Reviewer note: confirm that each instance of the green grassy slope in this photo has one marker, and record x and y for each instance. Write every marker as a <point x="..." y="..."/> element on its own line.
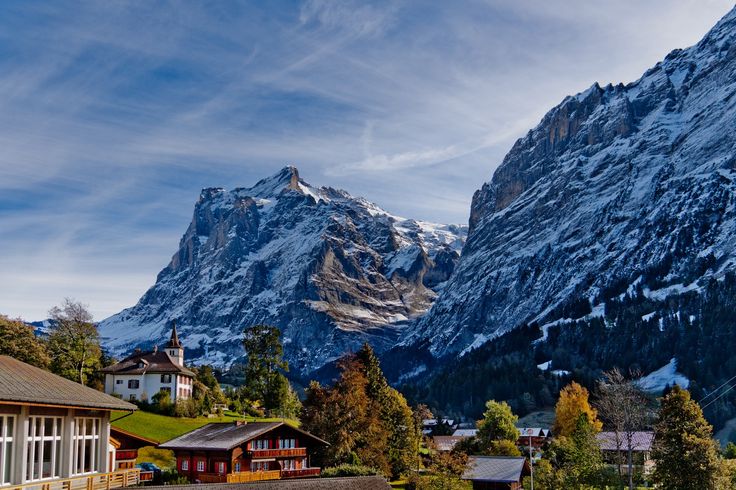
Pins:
<point x="162" y="428"/>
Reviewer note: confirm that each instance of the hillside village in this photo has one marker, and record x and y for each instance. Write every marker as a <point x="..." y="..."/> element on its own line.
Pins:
<point x="73" y="416"/>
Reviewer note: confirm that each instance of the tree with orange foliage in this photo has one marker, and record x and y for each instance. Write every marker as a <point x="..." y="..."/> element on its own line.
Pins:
<point x="572" y="403"/>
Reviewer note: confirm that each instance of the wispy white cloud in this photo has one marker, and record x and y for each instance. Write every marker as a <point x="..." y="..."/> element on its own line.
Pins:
<point x="114" y="114"/>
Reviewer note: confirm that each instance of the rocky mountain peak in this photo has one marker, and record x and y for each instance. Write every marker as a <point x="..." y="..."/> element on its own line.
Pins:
<point x="330" y="270"/>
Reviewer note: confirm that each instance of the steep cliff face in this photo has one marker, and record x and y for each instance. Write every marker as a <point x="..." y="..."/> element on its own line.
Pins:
<point x="614" y="183"/>
<point x="330" y="270"/>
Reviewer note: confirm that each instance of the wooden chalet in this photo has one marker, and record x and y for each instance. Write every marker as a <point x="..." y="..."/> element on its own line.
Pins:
<point x="55" y="433"/>
<point x="241" y="452"/>
<point x="126" y="445"/>
<point x="496" y="472"/>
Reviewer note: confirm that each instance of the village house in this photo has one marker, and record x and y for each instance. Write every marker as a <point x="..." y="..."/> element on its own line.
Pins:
<point x="496" y="472"/>
<point x="615" y="447"/>
<point x="144" y="374"/>
<point x="537" y="437"/>
<point x="239" y="452"/>
<point x="55" y="430"/>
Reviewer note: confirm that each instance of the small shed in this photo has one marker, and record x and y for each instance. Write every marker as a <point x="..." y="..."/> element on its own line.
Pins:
<point x="496" y="472"/>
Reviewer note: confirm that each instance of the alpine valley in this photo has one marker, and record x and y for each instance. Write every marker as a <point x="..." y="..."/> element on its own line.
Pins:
<point x="607" y="237"/>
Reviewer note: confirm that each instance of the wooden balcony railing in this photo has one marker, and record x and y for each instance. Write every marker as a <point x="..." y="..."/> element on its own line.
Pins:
<point x="302" y="473"/>
<point x="277" y="453"/>
<point x="99" y="481"/>
<point x="242" y="477"/>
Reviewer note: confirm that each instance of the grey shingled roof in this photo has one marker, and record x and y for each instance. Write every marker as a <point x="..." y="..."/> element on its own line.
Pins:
<point x="226" y="435"/>
<point x="354" y="483"/>
<point x="154" y="362"/>
<point x="26" y="384"/>
<point x="640" y="441"/>
<point x="498" y="469"/>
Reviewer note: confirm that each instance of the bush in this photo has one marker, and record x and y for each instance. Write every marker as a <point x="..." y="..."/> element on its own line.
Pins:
<point x="349" y="470"/>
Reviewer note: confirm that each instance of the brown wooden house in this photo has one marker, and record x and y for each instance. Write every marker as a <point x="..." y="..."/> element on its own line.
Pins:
<point x="240" y="452"/>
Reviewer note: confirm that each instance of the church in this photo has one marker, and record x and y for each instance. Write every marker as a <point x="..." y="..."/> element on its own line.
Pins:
<point x="143" y="374"/>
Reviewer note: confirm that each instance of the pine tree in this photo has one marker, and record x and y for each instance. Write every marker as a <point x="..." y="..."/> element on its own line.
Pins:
<point x="264" y="378"/>
<point x="684" y="451"/>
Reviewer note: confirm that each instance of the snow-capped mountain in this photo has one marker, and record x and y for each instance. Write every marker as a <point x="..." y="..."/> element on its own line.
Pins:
<point x="615" y="185"/>
<point x="330" y="270"/>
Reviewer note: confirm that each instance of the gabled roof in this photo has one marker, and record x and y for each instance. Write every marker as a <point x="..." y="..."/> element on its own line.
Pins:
<point x="152" y="362"/>
<point x="533" y="432"/>
<point x="465" y="433"/>
<point x="640" y="441"/>
<point x="23" y="384"/>
<point x="497" y="469"/>
<point x="227" y="435"/>
<point x="446" y="443"/>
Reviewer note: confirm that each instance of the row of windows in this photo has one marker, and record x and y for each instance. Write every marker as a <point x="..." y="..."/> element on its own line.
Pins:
<point x="221" y="466"/>
<point x="280" y="444"/>
<point x="134" y="384"/>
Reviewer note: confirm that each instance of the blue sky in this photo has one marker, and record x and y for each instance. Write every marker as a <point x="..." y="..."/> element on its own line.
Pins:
<point x="113" y="115"/>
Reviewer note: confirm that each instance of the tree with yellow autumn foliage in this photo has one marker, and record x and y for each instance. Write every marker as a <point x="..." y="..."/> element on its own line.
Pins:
<point x="572" y="403"/>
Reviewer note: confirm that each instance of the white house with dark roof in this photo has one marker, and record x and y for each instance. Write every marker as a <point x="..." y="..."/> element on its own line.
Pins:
<point x="54" y="433"/>
<point x="143" y="374"/>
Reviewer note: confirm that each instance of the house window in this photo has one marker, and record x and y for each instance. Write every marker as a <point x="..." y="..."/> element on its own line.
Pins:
<point x="287" y="443"/>
<point x="166" y="378"/>
<point x="237" y="467"/>
<point x="288" y="464"/>
<point x="132" y="397"/>
<point x="184" y="465"/>
<point x="118" y="381"/>
<point x="200" y="465"/>
<point x="133" y="384"/>
<point x="43" y="450"/>
<point x="259" y="466"/>
<point x="220" y="468"/>
<point x="7" y="424"/>
<point x="86" y="445"/>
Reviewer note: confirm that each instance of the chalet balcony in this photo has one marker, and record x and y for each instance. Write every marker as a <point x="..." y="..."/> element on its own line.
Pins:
<point x="277" y="453"/>
<point x="242" y="477"/>
<point x="98" y="481"/>
<point x="302" y="473"/>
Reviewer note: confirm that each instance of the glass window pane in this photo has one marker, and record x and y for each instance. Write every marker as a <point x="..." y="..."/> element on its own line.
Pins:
<point x="47" y="470"/>
<point x="9" y="426"/>
<point x="8" y="456"/>
<point x="48" y="427"/>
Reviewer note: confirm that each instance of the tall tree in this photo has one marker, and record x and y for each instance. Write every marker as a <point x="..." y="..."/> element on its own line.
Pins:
<point x="74" y="343"/>
<point x="572" y="403"/>
<point x="497" y="432"/>
<point x="264" y="378"/>
<point x="363" y="418"/>
<point x="19" y="341"/>
<point x="625" y="409"/>
<point x="684" y="450"/>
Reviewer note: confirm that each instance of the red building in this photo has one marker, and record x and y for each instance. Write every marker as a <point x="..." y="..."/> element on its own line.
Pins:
<point x="240" y="452"/>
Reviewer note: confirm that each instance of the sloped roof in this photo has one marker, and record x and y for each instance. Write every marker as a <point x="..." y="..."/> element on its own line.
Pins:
<point x="640" y="441"/>
<point x="227" y="435"/>
<point x="533" y="432"/>
<point x="446" y="443"/>
<point x="498" y="469"/>
<point x="465" y="432"/>
<point x="352" y="483"/>
<point x="22" y="383"/>
<point x="152" y="362"/>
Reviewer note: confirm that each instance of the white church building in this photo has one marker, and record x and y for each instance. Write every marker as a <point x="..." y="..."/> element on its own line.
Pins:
<point x="143" y="374"/>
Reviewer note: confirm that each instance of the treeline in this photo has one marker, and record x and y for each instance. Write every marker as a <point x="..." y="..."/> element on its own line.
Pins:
<point x="638" y="333"/>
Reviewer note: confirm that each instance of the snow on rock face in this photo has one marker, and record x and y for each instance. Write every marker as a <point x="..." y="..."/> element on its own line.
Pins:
<point x="612" y="181"/>
<point x="330" y="270"/>
<point x="656" y="381"/>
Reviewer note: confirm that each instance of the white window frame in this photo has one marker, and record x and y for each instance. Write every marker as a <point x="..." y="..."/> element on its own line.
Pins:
<point x="236" y="468"/>
<point x="79" y="445"/>
<point x="184" y="465"/>
<point x="200" y="465"/>
<point x="7" y="448"/>
<point x="35" y="448"/>
<point x="134" y="384"/>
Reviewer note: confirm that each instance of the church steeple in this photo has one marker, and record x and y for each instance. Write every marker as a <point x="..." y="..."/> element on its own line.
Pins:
<point x="174" y="341"/>
<point x="174" y="348"/>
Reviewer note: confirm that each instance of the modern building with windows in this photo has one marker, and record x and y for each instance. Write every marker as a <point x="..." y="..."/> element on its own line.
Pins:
<point x="53" y="429"/>
<point x="143" y="374"/>
<point x="241" y="452"/>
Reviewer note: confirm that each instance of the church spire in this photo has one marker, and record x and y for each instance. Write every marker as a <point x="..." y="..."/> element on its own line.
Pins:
<point x="174" y="341"/>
